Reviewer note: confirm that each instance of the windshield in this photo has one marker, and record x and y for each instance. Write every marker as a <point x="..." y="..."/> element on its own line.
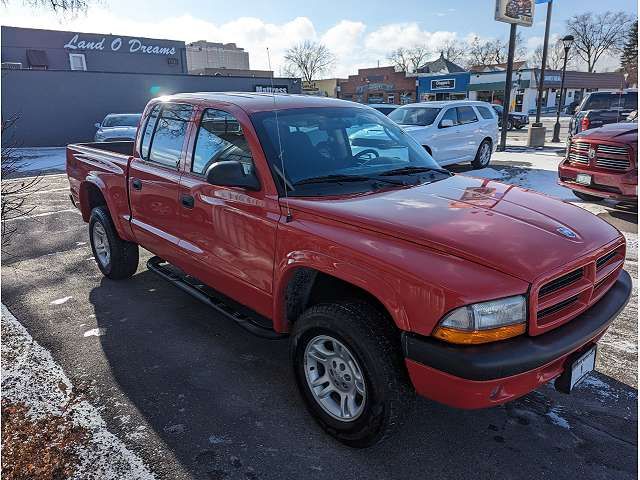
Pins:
<point x="121" y="120"/>
<point x="609" y="101"/>
<point x="414" y="115"/>
<point x="329" y="144"/>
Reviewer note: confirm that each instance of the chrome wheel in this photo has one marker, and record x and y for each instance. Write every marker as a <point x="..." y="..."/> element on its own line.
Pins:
<point x="485" y="154"/>
<point x="334" y="378"/>
<point x="101" y="244"/>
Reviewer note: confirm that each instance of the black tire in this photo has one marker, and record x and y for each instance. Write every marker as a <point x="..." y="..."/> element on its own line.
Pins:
<point x="519" y="127"/>
<point x="479" y="162"/>
<point x="123" y="255"/>
<point x="586" y="196"/>
<point x="375" y="345"/>
<point x="509" y="125"/>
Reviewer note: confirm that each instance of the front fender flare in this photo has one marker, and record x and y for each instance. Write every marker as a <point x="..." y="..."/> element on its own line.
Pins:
<point x="362" y="277"/>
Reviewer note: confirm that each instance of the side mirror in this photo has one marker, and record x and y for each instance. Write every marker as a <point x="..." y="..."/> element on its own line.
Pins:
<point x="97" y="124"/>
<point x="446" y="123"/>
<point x="231" y="174"/>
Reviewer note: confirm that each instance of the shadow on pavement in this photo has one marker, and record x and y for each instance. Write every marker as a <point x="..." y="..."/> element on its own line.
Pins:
<point x="224" y="402"/>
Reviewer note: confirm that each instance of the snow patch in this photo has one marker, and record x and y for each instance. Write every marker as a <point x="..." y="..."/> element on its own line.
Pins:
<point x="557" y="419"/>
<point x="60" y="301"/>
<point x="30" y="376"/>
<point x="95" y="332"/>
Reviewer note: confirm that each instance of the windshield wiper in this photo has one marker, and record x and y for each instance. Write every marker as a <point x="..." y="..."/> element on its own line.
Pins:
<point x="334" y="178"/>
<point x="409" y="170"/>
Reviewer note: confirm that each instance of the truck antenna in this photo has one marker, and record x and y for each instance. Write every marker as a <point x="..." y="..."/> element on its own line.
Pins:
<point x="283" y="172"/>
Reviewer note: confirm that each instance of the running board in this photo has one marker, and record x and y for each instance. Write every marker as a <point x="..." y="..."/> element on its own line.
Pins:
<point x="247" y="319"/>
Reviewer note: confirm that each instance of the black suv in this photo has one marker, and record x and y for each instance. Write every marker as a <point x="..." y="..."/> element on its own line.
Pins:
<point x="516" y="120"/>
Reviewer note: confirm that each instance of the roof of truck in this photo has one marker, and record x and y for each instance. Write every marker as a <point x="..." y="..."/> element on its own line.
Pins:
<point x="260" y="102"/>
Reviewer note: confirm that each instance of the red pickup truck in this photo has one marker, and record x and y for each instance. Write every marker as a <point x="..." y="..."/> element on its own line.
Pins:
<point x="603" y="163"/>
<point x="321" y="220"/>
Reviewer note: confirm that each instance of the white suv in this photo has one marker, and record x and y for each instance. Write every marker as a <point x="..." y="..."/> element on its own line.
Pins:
<point x="452" y="132"/>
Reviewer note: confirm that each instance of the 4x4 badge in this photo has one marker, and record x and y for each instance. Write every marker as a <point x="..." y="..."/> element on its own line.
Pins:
<point x="567" y="232"/>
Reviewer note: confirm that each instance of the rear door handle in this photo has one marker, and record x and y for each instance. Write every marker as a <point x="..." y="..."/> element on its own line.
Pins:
<point x="136" y="183"/>
<point x="187" y="201"/>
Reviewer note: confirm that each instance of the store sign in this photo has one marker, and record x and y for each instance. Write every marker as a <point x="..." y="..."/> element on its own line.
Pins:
<point x="443" y="84"/>
<point x="375" y="87"/>
<point x="132" y="45"/>
<point x="519" y="12"/>
<point x="271" y="89"/>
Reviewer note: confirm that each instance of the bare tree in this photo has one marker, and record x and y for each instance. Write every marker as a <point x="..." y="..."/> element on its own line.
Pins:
<point x="409" y="59"/>
<point x="308" y="60"/>
<point x="59" y="6"/>
<point x="555" y="56"/>
<point x="494" y="51"/>
<point x="14" y="194"/>
<point x="598" y="34"/>
<point x="454" y="50"/>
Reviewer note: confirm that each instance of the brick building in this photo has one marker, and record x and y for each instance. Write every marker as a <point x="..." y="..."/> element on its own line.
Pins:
<point x="379" y="85"/>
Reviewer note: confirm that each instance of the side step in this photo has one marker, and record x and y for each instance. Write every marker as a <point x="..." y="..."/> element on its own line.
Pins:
<point x="246" y="318"/>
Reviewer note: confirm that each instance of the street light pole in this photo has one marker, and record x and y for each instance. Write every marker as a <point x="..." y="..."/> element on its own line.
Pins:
<point x="568" y="40"/>
<point x="507" y="89"/>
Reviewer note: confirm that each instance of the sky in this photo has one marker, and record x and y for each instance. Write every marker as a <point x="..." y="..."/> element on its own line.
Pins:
<point x="360" y="34"/>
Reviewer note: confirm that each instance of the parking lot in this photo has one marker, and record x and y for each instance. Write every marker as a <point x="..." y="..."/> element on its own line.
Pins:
<point x="196" y="397"/>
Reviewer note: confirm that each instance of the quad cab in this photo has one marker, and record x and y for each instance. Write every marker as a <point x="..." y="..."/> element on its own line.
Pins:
<point x="322" y="221"/>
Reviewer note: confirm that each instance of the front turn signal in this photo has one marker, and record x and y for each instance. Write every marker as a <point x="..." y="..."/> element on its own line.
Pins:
<point x="474" y="337"/>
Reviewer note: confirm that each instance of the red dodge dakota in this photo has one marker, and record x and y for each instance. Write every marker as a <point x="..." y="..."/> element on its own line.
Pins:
<point x="323" y="221"/>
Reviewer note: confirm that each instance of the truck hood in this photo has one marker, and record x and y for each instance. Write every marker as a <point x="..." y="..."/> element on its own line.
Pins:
<point x="614" y="132"/>
<point x="504" y="227"/>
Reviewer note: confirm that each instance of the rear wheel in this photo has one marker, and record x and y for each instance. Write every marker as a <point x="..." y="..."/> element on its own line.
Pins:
<point x="349" y="369"/>
<point x="586" y="196"/>
<point x="483" y="155"/>
<point x="116" y="258"/>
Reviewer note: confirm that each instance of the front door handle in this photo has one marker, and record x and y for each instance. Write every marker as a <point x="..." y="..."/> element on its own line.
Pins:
<point x="187" y="201"/>
<point x="136" y="183"/>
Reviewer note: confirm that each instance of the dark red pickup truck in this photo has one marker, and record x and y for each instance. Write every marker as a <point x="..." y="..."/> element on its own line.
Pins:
<point x="603" y="163"/>
<point x="321" y="220"/>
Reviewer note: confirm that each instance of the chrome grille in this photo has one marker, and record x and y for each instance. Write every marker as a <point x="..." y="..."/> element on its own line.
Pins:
<point x="581" y="146"/>
<point x="612" y="149"/>
<point x="612" y="163"/>
<point x="575" y="157"/>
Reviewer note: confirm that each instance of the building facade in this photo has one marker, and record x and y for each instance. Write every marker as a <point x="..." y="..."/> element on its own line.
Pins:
<point x="328" y="87"/>
<point x="450" y="86"/>
<point x="35" y="49"/>
<point x="202" y="55"/>
<point x="489" y="86"/>
<point x="379" y="85"/>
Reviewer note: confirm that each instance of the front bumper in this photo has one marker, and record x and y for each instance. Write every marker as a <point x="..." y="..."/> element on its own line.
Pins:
<point x="619" y="186"/>
<point x="485" y="375"/>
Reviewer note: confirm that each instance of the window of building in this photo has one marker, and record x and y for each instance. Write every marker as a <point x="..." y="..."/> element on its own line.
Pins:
<point x="220" y="138"/>
<point x="77" y="61"/>
<point x="170" y="132"/>
<point x="450" y="115"/>
<point x="37" y="59"/>
<point x="466" y="115"/>
<point x="485" y="112"/>
<point x="391" y="99"/>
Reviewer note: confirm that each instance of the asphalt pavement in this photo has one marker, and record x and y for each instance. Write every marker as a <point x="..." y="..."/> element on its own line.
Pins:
<point x="197" y="397"/>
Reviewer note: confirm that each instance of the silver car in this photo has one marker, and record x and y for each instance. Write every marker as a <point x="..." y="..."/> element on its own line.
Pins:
<point x="118" y="127"/>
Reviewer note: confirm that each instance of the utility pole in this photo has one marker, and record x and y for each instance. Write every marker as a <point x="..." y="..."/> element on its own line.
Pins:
<point x="537" y="132"/>
<point x="507" y="88"/>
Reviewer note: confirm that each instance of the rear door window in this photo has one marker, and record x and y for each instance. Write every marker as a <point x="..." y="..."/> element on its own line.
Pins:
<point x="148" y="131"/>
<point x="170" y="132"/>
<point x="466" y="115"/>
<point x="485" y="112"/>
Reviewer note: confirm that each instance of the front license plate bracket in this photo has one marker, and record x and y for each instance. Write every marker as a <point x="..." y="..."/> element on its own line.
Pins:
<point x="576" y="369"/>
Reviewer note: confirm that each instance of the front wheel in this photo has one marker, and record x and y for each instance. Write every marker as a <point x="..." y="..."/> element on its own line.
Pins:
<point x="483" y="155"/>
<point x="586" y="196"/>
<point x="116" y="258"/>
<point x="349" y="369"/>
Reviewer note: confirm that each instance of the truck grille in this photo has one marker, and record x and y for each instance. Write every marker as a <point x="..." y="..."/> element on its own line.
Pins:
<point x="610" y="157"/>
<point x="557" y="300"/>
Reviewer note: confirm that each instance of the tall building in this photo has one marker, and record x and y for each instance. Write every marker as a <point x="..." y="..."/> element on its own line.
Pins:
<point x="203" y="54"/>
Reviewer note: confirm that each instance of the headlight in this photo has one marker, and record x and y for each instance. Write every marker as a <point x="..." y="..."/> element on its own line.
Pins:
<point x="484" y="322"/>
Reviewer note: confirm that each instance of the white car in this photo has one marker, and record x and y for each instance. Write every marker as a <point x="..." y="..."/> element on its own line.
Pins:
<point x="452" y="132"/>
